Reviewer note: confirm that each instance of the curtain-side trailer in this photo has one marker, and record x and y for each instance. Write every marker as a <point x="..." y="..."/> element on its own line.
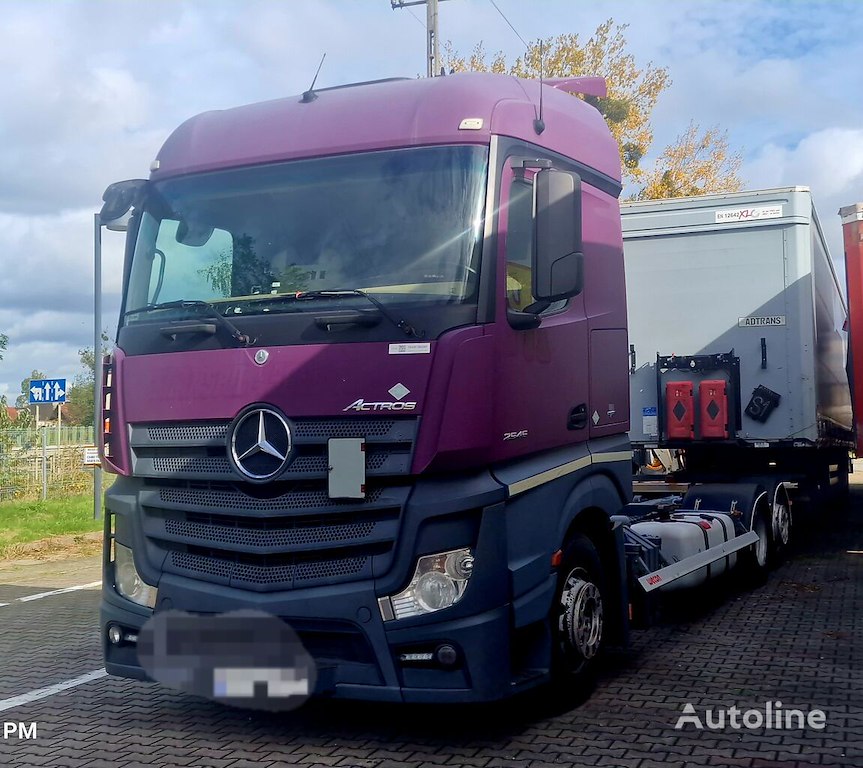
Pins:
<point x="738" y="348"/>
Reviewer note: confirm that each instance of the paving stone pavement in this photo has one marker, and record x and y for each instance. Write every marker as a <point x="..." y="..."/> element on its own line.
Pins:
<point x="798" y="640"/>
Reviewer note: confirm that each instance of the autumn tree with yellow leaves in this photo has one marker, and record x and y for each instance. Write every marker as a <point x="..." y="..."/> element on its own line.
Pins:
<point x="693" y="164"/>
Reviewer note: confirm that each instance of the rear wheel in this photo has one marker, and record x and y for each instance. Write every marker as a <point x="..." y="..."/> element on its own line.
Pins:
<point x="577" y="614"/>
<point x="756" y="560"/>
<point x="781" y="529"/>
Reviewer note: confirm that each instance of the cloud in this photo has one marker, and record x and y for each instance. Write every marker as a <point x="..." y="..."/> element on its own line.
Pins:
<point x="64" y="110"/>
<point x="46" y="290"/>
<point x="829" y="162"/>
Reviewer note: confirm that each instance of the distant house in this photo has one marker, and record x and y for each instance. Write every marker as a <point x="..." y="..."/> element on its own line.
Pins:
<point x="11" y="413"/>
<point x="43" y="413"/>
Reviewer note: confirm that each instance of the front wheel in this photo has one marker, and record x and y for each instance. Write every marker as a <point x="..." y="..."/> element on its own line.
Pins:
<point x="577" y="614"/>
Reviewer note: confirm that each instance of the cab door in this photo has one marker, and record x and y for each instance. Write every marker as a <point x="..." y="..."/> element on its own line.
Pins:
<point x="542" y="372"/>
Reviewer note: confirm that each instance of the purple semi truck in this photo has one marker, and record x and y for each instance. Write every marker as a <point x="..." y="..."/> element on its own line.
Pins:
<point x="371" y="377"/>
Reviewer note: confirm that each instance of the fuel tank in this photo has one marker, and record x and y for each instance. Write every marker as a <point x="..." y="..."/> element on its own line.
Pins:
<point x="684" y="534"/>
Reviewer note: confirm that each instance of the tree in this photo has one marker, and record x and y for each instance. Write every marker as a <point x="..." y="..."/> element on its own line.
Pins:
<point x="4" y="340"/>
<point x="23" y="400"/>
<point x="696" y="163"/>
<point x="5" y="421"/>
<point x="632" y="91"/>
<point x="24" y="419"/>
<point x="78" y="409"/>
<point x="243" y="273"/>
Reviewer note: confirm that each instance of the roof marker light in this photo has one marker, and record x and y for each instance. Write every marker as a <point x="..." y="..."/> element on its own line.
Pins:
<point x="471" y="124"/>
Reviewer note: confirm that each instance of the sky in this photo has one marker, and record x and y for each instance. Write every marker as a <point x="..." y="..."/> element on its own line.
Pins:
<point x="92" y="88"/>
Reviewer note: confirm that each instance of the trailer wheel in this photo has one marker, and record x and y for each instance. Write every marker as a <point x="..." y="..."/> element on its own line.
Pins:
<point x="756" y="560"/>
<point x="577" y="614"/>
<point x="781" y="532"/>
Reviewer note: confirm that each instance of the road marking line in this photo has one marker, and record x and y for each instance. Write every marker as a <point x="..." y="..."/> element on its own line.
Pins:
<point x="91" y="585"/>
<point x="44" y="693"/>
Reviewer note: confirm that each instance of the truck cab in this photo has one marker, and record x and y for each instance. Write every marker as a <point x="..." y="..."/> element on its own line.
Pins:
<point x="371" y="378"/>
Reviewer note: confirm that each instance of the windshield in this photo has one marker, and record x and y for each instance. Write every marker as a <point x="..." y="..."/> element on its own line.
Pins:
<point x="404" y="226"/>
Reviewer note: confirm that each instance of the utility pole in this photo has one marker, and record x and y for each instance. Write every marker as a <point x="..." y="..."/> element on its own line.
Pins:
<point x="432" y="46"/>
<point x="432" y="50"/>
<point x="97" y="356"/>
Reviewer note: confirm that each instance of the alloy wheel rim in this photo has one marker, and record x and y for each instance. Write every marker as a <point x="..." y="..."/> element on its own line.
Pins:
<point x="581" y="615"/>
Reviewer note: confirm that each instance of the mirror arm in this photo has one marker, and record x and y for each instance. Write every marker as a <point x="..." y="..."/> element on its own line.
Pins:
<point x="537" y="307"/>
<point x="523" y="321"/>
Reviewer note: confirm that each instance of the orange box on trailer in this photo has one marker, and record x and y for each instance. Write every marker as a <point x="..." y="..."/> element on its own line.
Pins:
<point x="713" y="409"/>
<point x="679" y="410"/>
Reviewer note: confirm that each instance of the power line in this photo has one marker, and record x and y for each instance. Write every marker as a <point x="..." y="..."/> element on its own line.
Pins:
<point x="509" y="23"/>
<point x="418" y="20"/>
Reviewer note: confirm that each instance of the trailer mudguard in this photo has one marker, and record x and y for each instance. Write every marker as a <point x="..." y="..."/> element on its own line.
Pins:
<point x="735" y="499"/>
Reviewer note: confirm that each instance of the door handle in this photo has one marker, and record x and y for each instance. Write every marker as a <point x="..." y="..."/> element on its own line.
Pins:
<point x="577" y="417"/>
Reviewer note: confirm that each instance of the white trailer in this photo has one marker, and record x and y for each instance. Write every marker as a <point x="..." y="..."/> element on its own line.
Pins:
<point x="738" y="352"/>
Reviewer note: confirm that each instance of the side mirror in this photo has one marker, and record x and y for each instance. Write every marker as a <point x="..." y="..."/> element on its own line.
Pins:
<point x="558" y="272"/>
<point x="118" y="201"/>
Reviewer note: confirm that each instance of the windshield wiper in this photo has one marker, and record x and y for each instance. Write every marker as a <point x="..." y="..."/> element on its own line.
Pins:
<point x="403" y="325"/>
<point x="209" y="310"/>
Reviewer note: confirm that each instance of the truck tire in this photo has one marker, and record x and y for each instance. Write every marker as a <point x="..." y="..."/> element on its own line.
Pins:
<point x="782" y="527"/>
<point x="577" y="622"/>
<point x="842" y="486"/>
<point x="756" y="560"/>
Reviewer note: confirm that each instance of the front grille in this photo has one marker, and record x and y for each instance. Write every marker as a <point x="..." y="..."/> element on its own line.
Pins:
<point x="231" y="498"/>
<point x="263" y="538"/>
<point x="327" y="428"/>
<point x="307" y="466"/>
<point x="267" y="576"/>
<point x="193" y="465"/>
<point x="202" y="521"/>
<point x="200" y="451"/>
<point x="183" y="433"/>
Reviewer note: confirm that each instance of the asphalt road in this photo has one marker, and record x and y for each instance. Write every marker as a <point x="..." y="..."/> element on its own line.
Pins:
<point x="798" y="639"/>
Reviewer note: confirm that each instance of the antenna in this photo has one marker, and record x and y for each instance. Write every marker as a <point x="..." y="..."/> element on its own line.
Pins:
<point x="310" y="95"/>
<point x="539" y="124"/>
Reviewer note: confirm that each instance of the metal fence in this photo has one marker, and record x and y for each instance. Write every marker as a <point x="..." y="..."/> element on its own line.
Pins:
<point x="44" y="463"/>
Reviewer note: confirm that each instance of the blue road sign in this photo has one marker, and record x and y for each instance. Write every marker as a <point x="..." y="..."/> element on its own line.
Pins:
<point x="47" y="391"/>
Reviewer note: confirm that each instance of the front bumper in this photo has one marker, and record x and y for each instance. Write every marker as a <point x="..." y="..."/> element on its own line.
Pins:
<point x="358" y="659"/>
<point x="357" y="653"/>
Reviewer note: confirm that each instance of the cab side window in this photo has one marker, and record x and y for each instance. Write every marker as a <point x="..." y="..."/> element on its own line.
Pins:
<point x="519" y="248"/>
<point x="519" y="244"/>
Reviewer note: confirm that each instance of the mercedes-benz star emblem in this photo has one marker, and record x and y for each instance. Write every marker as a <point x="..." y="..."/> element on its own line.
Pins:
<point x="260" y="444"/>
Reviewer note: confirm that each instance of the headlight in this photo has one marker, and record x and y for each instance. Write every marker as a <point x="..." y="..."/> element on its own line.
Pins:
<point x="128" y="582"/>
<point x="439" y="581"/>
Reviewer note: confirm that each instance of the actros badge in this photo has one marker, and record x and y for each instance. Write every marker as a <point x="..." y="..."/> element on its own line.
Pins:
<point x="399" y="392"/>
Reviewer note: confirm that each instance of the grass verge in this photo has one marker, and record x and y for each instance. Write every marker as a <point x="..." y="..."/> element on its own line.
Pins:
<point x="48" y="529"/>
